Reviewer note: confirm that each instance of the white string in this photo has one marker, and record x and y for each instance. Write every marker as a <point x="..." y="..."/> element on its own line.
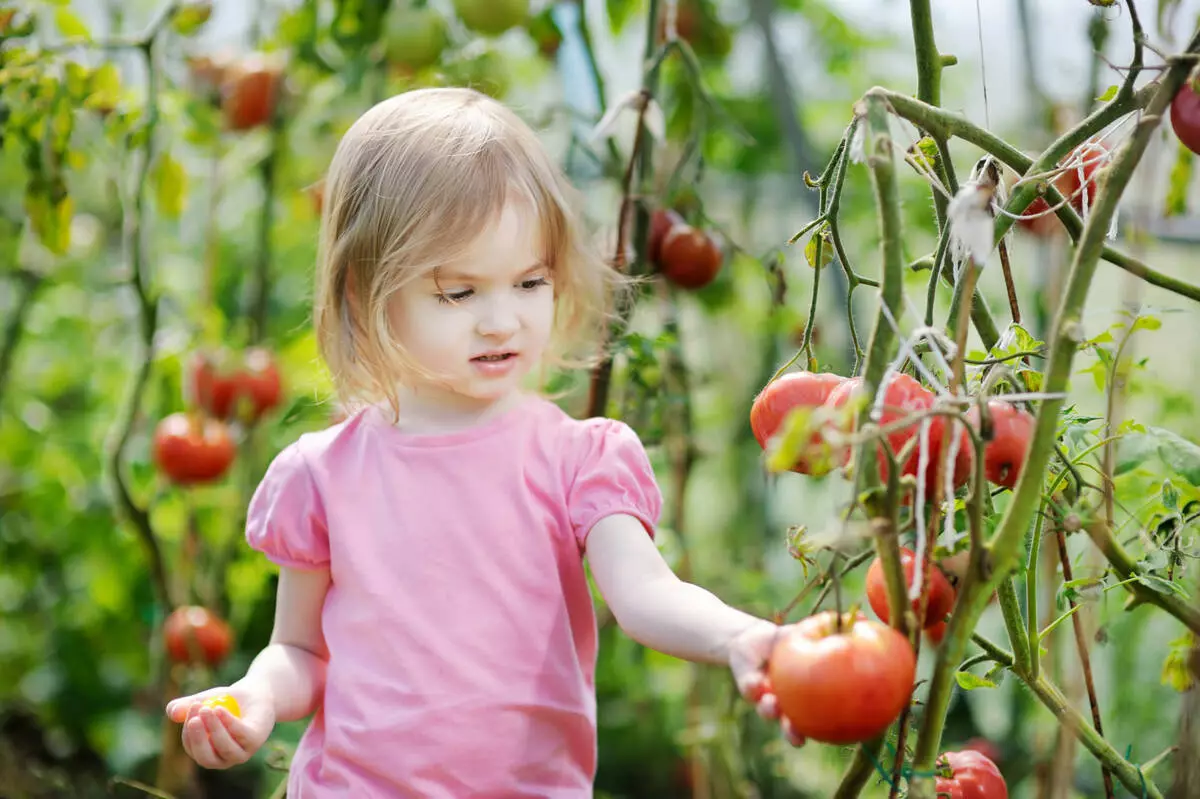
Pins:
<point x="914" y="590"/>
<point x="982" y="65"/>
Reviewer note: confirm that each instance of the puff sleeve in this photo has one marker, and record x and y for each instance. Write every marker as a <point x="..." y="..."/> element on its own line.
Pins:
<point x="286" y="519"/>
<point x="613" y="475"/>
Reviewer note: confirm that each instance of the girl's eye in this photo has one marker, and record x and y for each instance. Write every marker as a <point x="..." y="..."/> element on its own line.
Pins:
<point x="449" y="297"/>
<point x="534" y="283"/>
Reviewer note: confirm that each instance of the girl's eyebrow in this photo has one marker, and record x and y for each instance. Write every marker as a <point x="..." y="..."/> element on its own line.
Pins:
<point x="459" y="274"/>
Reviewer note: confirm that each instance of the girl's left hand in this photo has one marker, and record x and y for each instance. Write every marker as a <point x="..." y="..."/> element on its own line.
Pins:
<point x="749" y="653"/>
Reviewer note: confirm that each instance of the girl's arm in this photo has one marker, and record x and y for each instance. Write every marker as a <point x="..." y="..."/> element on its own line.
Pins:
<point x="291" y="669"/>
<point x="657" y="609"/>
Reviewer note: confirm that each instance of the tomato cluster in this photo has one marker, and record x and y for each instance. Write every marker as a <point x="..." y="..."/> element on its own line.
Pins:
<point x="247" y="89"/>
<point x="1007" y="437"/>
<point x="197" y="445"/>
<point x="687" y="256"/>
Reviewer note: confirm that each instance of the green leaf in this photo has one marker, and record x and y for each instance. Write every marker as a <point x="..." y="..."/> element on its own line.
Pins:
<point x="1170" y="496"/>
<point x="70" y="25"/>
<point x="1109" y="93"/>
<point x="1146" y="323"/>
<point x="191" y="17"/>
<point x="1179" y="454"/>
<point x="821" y="239"/>
<point x="1132" y="451"/>
<point x="1175" y="671"/>
<point x="1160" y="585"/>
<point x="619" y="13"/>
<point x="969" y="682"/>
<point x="105" y="86"/>
<point x="170" y="182"/>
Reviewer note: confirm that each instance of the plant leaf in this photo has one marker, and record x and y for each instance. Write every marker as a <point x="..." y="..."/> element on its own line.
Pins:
<point x="70" y="25"/>
<point x="969" y="682"/>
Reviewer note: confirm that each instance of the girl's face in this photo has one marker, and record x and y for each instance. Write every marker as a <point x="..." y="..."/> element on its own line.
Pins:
<point x="483" y="321"/>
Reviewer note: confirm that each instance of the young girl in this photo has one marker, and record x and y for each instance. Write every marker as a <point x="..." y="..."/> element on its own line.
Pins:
<point x="433" y="612"/>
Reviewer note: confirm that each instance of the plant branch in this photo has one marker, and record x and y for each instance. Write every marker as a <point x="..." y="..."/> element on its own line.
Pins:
<point x="1085" y="659"/>
<point x="880" y="158"/>
<point x="639" y="167"/>
<point x="14" y="327"/>
<point x="147" y="304"/>
<point x="1128" y="570"/>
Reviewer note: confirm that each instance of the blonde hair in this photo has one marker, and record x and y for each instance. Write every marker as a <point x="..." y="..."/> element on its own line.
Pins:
<point x="408" y="178"/>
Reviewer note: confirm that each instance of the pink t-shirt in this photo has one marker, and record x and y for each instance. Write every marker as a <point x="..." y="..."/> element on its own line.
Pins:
<point x="459" y="620"/>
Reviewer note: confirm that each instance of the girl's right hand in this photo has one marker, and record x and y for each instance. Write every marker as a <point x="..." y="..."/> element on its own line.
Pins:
<point x="214" y="737"/>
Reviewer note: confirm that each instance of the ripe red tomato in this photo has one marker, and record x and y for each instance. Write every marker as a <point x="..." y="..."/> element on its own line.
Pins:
<point x="689" y="257"/>
<point x="1094" y="155"/>
<point x="903" y="396"/>
<point x="249" y="93"/>
<point x="974" y="777"/>
<point x="941" y="593"/>
<point x="1185" y="117"/>
<point x="779" y="397"/>
<point x="1004" y="455"/>
<point x="661" y="222"/>
<point x="936" y="633"/>
<point x="841" y="688"/>
<point x="192" y="450"/>
<point x="219" y="382"/>
<point x="194" y="634"/>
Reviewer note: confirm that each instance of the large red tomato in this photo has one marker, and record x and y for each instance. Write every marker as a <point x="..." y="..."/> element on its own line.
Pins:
<point x="194" y="634"/>
<point x="779" y="397"/>
<point x="841" y="688"/>
<point x="1004" y="455"/>
<point x="941" y="593"/>
<point x="192" y="450"/>
<point x="974" y="777"/>
<point x="1185" y="117"/>
<point x="904" y="396"/>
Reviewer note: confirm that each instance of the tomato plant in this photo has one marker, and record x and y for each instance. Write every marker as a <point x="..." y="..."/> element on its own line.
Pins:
<point x="779" y="397"/>
<point x="194" y="634"/>
<point x="971" y="776"/>
<point x="1011" y="433"/>
<point x="689" y="257"/>
<point x="190" y="449"/>
<point x="1185" y="117"/>
<point x="1090" y="158"/>
<point x="662" y="220"/>
<point x="841" y="687"/>
<point x="941" y="593"/>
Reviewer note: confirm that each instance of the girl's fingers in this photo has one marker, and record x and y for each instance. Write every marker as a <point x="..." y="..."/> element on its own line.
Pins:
<point x="196" y="743"/>
<point x="226" y="748"/>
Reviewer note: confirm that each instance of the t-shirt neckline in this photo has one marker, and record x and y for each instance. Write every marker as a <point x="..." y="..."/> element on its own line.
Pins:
<point x="476" y="432"/>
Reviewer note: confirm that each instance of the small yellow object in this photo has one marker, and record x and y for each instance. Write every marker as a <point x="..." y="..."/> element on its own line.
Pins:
<point x="226" y="701"/>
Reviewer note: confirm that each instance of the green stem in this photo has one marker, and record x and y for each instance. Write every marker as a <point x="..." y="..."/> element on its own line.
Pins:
<point x="1073" y="720"/>
<point x="1031" y="597"/>
<point x="946" y="123"/>
<point x="147" y="305"/>
<point x="880" y="158"/>
<point x="860" y="770"/>
<point x="1023" y="645"/>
